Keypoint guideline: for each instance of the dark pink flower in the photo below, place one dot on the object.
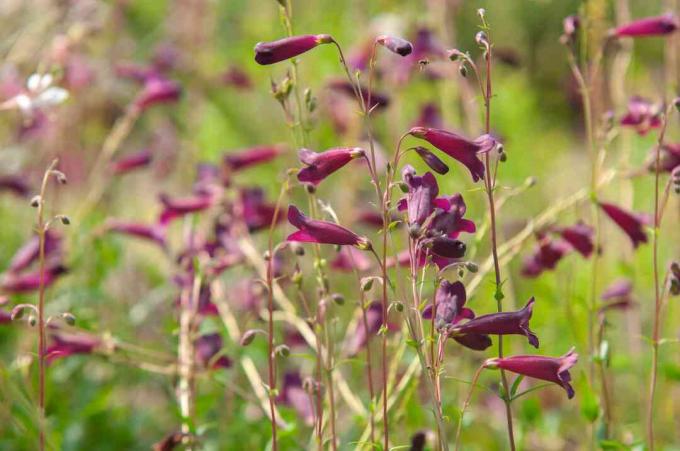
(668, 160)
(256, 212)
(633, 224)
(208, 351)
(551, 369)
(430, 117)
(131, 162)
(618, 295)
(503, 323)
(286, 48)
(5, 317)
(397, 45)
(448, 218)
(157, 90)
(175, 207)
(349, 259)
(16, 184)
(649, 26)
(295, 396)
(545, 256)
(422, 190)
(642, 115)
(580, 237)
(321, 165)
(64, 345)
(27, 254)
(27, 282)
(378, 100)
(236, 77)
(360, 336)
(370, 217)
(456, 146)
(156, 232)
(324, 232)
(251, 157)
(431, 160)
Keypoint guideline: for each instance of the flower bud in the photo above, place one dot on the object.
(248, 337)
(61, 177)
(472, 267)
(282, 351)
(338, 298)
(35, 201)
(69, 318)
(32, 321)
(64, 219)
(366, 283)
(463, 70)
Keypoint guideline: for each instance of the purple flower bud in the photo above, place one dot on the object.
(207, 348)
(456, 146)
(321, 165)
(131, 162)
(236, 77)
(16, 184)
(421, 194)
(503, 323)
(157, 90)
(633, 224)
(394, 44)
(571, 26)
(551, 369)
(649, 26)
(314, 231)
(432, 160)
(251, 157)
(283, 49)
(580, 237)
(155, 233)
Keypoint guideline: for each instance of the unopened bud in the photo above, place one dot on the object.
(482, 39)
(61, 177)
(248, 337)
(35, 201)
(64, 219)
(399, 306)
(338, 298)
(472, 267)
(463, 70)
(414, 230)
(69, 318)
(282, 351)
(32, 321)
(503, 157)
(366, 284)
(297, 249)
(310, 188)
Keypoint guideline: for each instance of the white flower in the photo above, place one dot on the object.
(39, 94)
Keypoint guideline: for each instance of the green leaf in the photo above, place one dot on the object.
(515, 385)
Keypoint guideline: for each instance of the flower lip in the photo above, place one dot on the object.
(323, 232)
(322, 164)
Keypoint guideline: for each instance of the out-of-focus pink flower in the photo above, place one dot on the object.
(295, 396)
(551, 369)
(175, 207)
(546, 256)
(360, 336)
(236, 77)
(378, 100)
(286, 48)
(618, 295)
(5, 317)
(370, 217)
(14, 283)
(131, 162)
(246, 296)
(395, 44)
(349, 259)
(27, 254)
(503, 323)
(256, 212)
(157, 90)
(642, 115)
(314, 231)
(322, 164)
(668, 160)
(456, 146)
(430, 117)
(251, 157)
(16, 184)
(649, 26)
(68, 344)
(156, 233)
(632, 224)
(580, 237)
(208, 351)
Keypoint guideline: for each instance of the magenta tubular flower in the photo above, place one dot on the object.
(448, 218)
(236, 77)
(16, 184)
(174, 208)
(323, 232)
(207, 348)
(370, 217)
(155, 233)
(580, 237)
(551, 369)
(29, 282)
(295, 396)
(456, 146)
(396, 45)
(546, 256)
(432, 160)
(618, 295)
(251, 157)
(421, 194)
(633, 224)
(360, 336)
(649, 26)
(27, 254)
(349, 259)
(286, 48)
(642, 115)
(321, 165)
(256, 212)
(5, 317)
(430, 117)
(378, 100)
(503, 323)
(157, 90)
(669, 158)
(64, 345)
(131, 162)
